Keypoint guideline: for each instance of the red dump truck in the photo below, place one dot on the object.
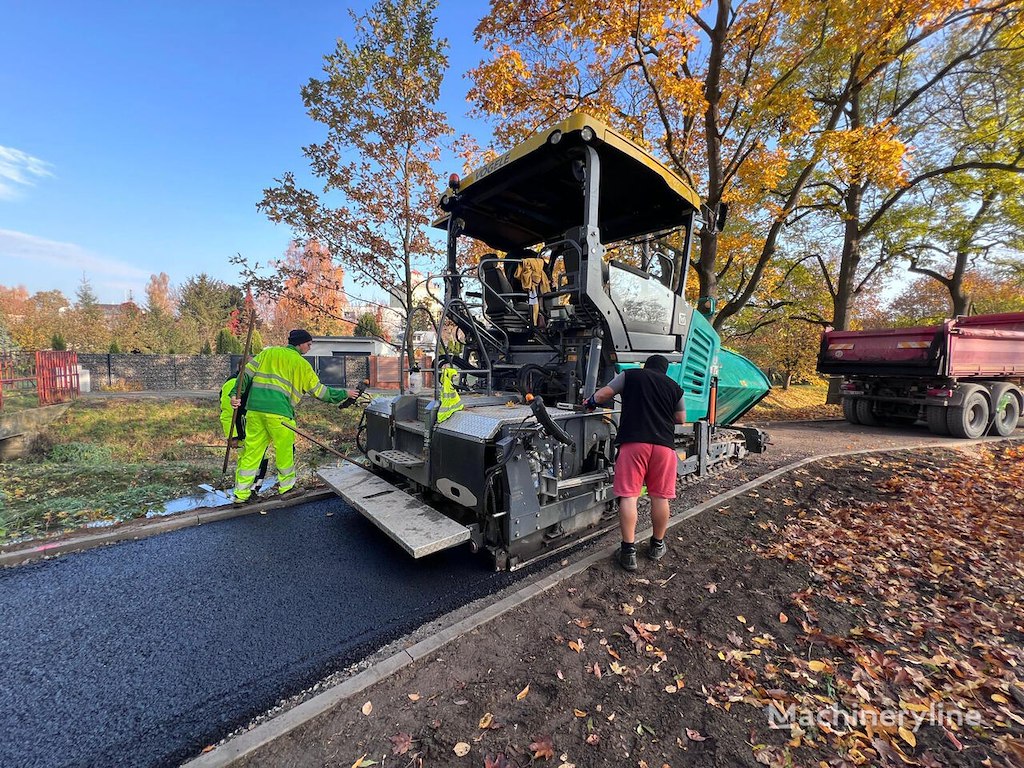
(964, 377)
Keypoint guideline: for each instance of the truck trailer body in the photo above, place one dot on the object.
(964, 377)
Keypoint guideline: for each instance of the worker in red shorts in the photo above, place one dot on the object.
(652, 404)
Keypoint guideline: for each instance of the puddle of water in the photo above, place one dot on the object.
(190, 503)
(208, 497)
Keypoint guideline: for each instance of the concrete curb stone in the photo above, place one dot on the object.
(144, 529)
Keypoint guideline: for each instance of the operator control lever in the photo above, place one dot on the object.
(549, 425)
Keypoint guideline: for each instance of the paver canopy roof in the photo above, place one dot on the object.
(532, 193)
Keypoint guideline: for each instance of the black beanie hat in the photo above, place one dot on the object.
(657, 363)
(299, 336)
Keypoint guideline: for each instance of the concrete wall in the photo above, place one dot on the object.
(15, 428)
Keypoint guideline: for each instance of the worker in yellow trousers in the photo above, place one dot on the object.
(227, 413)
(273, 383)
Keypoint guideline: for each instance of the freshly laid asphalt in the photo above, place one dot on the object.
(139, 654)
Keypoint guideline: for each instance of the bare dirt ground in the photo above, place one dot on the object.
(886, 585)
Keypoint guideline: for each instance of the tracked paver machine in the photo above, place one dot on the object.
(595, 236)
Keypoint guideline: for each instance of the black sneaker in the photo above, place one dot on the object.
(656, 550)
(627, 558)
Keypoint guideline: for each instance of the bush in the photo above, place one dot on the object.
(40, 444)
(256, 343)
(227, 343)
(80, 453)
(367, 326)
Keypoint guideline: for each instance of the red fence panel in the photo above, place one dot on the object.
(53, 376)
(56, 376)
(17, 373)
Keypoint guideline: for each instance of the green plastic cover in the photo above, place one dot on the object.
(741, 385)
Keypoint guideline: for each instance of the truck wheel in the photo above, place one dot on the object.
(850, 410)
(866, 414)
(1006, 412)
(969, 420)
(937, 419)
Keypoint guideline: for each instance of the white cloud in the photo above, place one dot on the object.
(18, 169)
(68, 257)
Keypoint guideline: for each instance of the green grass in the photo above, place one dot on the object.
(45, 497)
(19, 400)
(116, 459)
(800, 401)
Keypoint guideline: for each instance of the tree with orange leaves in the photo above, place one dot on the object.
(697, 84)
(377, 100)
(928, 117)
(312, 294)
(755, 97)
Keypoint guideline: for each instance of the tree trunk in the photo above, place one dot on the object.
(849, 261)
(842, 302)
(408, 315)
(706, 264)
(960, 299)
(706, 276)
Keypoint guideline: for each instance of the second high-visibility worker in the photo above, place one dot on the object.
(273, 383)
(227, 412)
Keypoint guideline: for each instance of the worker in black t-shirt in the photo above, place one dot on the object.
(652, 404)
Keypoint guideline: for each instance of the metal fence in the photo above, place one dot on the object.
(48, 377)
(338, 370)
(342, 370)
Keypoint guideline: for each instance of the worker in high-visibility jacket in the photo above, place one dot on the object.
(227, 412)
(273, 383)
(450, 400)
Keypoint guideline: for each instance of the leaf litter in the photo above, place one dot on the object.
(895, 592)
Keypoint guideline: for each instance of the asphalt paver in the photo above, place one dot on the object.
(140, 654)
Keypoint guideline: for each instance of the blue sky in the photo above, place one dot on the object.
(137, 137)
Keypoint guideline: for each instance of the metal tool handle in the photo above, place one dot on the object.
(314, 441)
(238, 384)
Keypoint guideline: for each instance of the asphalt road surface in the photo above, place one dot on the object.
(142, 653)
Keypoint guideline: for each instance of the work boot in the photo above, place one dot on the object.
(237, 500)
(627, 558)
(656, 549)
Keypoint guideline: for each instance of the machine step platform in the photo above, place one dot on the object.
(417, 528)
(402, 458)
